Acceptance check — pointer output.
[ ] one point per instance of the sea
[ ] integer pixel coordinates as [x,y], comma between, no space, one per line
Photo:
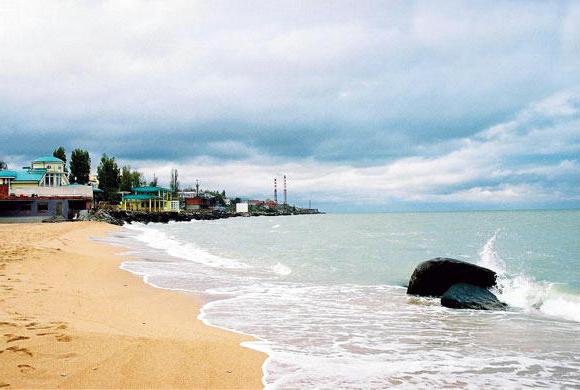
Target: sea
[325,295]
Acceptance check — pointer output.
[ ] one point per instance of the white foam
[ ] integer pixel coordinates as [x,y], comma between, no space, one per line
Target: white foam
[281,269]
[524,292]
[160,240]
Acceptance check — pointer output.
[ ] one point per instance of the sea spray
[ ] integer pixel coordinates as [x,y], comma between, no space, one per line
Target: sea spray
[523,291]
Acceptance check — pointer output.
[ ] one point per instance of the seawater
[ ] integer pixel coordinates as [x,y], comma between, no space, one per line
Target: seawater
[324,295]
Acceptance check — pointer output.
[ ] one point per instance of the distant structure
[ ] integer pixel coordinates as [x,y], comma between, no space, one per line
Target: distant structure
[196,187]
[275,191]
[285,192]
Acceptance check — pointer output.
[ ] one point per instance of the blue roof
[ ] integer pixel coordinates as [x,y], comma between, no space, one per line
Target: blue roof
[50,159]
[150,189]
[24,175]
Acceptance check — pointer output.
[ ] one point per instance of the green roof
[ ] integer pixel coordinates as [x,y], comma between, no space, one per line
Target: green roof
[150,189]
[50,159]
[34,175]
[139,197]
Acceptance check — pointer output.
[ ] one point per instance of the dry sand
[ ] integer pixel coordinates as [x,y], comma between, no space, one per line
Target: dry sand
[70,318]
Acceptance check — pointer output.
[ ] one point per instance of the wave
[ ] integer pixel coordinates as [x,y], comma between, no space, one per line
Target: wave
[187,251]
[281,269]
[524,292]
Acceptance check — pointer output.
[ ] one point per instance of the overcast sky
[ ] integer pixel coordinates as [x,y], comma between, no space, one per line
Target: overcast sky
[385,105]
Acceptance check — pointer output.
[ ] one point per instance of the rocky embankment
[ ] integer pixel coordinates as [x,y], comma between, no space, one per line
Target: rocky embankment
[119,217]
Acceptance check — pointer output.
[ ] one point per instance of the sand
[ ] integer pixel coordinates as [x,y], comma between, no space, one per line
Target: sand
[70,318]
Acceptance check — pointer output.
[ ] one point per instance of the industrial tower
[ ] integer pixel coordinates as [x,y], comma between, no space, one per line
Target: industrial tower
[275,192]
[285,193]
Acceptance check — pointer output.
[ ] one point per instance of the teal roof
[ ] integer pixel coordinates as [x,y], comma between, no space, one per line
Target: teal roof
[150,189]
[8,173]
[24,175]
[50,159]
[139,197]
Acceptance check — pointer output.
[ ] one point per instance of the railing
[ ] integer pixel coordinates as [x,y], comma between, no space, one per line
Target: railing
[76,191]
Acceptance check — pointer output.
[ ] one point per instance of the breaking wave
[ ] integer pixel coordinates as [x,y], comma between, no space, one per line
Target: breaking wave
[160,240]
[524,292]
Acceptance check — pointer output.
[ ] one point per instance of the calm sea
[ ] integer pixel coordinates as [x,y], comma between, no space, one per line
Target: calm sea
[324,295]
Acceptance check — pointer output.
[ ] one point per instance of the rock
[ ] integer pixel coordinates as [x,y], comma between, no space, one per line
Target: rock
[468,296]
[435,276]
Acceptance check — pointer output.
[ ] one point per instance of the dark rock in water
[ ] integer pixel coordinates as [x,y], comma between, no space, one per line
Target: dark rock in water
[468,296]
[434,277]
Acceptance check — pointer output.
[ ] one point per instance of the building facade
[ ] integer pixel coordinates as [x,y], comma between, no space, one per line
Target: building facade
[150,199]
[41,191]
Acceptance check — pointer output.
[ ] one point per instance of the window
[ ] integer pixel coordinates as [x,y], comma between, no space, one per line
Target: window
[43,207]
[25,207]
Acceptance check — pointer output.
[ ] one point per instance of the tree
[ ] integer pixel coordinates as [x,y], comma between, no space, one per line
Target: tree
[174,183]
[80,166]
[60,153]
[108,174]
[130,179]
[3,165]
[153,183]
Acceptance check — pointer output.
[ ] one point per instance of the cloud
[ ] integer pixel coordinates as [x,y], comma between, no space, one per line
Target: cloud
[398,102]
[530,160]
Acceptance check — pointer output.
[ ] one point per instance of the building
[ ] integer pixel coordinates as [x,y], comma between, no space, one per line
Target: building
[41,191]
[151,199]
[194,201]
[242,207]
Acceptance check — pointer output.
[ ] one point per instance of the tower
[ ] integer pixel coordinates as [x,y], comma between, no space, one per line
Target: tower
[196,187]
[275,192]
[285,193]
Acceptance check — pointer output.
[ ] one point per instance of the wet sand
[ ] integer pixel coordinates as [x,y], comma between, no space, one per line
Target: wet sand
[70,318]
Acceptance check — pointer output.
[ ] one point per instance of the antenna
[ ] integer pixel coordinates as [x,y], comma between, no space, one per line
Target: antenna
[285,192]
[275,191]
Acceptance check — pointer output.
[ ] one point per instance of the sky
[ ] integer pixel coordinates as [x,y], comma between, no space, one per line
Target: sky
[364,105]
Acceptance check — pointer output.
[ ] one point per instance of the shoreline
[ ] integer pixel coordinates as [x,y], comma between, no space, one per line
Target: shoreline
[73,318]
[205,301]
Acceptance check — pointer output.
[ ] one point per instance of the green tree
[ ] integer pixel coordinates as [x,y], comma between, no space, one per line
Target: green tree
[130,179]
[80,166]
[3,165]
[108,174]
[60,153]
[174,183]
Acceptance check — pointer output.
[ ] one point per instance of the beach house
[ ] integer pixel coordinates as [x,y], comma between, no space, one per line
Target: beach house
[41,191]
[150,199]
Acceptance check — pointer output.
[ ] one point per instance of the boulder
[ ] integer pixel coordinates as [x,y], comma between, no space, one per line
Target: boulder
[434,277]
[468,296]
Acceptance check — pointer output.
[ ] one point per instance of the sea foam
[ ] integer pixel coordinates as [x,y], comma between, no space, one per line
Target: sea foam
[158,239]
[524,292]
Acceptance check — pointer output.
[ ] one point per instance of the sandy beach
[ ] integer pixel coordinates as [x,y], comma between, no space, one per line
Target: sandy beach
[70,318]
